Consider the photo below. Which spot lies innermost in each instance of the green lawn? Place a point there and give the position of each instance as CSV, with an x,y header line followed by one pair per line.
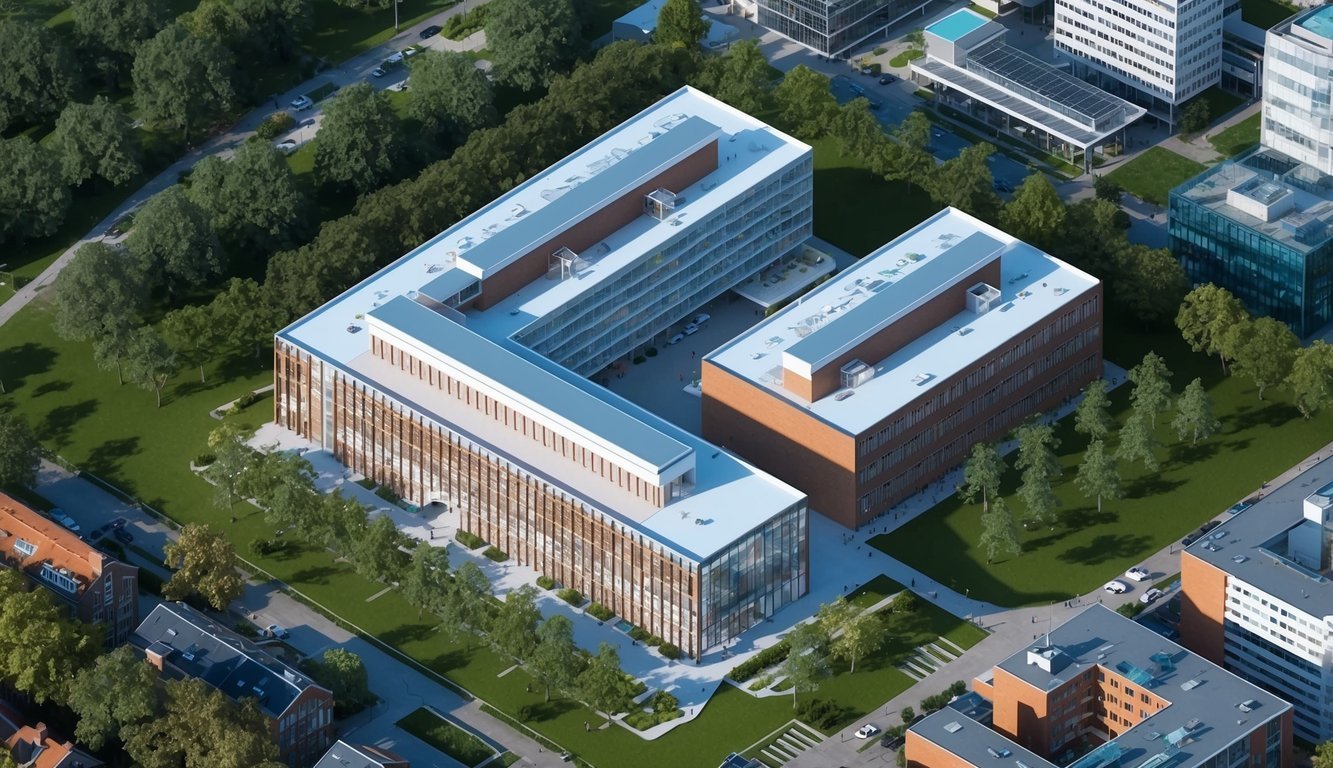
x,y
339,32
1152,175
857,210
1265,13
873,591
446,737
1259,439
1237,138
1220,102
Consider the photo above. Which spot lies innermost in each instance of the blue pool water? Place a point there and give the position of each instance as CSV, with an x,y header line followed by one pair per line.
x,y
1320,22
955,25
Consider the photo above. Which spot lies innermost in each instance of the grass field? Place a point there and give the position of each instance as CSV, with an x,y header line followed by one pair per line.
x,y
1220,102
1265,13
873,591
446,737
1237,138
857,210
1152,175
1259,439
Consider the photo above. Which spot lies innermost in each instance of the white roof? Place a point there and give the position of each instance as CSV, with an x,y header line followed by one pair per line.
x,y
1032,286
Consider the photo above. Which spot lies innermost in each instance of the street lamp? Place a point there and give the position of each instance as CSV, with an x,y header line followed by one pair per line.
x,y
395,14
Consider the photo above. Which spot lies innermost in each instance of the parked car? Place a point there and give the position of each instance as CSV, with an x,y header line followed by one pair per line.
x,y
866,731
430,32
286,146
867,71
58,515
1116,587
118,522
701,318
1138,573
377,72
1190,539
302,103
1147,598
394,58
1210,525
886,78
277,630
690,329
122,535
410,52
674,340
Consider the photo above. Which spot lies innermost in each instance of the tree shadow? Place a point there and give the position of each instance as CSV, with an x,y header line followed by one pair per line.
x,y
444,662
1267,414
1080,518
194,387
26,359
407,633
550,710
105,459
317,575
1151,485
56,428
1105,548
1185,453
59,385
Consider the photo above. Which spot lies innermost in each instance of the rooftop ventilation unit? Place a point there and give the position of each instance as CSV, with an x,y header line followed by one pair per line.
x,y
564,264
855,373
981,297
660,203
954,727
1190,685
1248,705
998,753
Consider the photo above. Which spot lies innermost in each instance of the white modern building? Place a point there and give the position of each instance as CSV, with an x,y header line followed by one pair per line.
x,y
1298,87
641,23
1155,53
1257,597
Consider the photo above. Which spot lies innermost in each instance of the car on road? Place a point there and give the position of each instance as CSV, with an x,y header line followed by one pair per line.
x,y
377,72
121,226
1138,573
866,731
58,515
286,146
1147,598
118,522
302,103
690,329
430,32
1116,587
674,340
867,71
701,318
277,630
410,52
886,79
394,58
401,85
122,535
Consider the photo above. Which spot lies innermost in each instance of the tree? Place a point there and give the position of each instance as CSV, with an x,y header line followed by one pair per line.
x,y
450,96
117,692
377,553
246,314
41,647
914,164
149,362
201,726
20,453
807,661
981,475
740,77
1106,188
232,462
360,140
97,296
192,335
999,535
1035,213
514,630
1323,755
1149,283
1093,417
554,662
603,683
854,633
1152,390
33,195
1098,476
252,200
806,106
1138,442
95,140
861,135
181,80
1194,413
204,563
1266,352
37,74
110,348
172,242
1311,378
116,29
1194,116
274,27
1206,317
531,40
1039,466
965,182
680,24
426,582
1091,236
468,604
343,672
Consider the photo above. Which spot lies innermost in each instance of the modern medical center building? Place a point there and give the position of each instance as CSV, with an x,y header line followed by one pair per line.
x,y
458,375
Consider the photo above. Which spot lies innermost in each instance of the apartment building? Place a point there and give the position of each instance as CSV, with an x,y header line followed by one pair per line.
x,y
97,588
1298,85
456,374
1155,54
879,382
183,642
1102,691
344,754
1256,597
33,746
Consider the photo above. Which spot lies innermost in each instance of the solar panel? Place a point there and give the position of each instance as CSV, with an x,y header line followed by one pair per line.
x,y
1055,87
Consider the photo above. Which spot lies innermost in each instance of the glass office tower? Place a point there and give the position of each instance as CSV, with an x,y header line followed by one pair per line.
x,y
830,26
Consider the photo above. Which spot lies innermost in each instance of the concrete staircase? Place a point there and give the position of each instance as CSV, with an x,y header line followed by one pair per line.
x,y
927,658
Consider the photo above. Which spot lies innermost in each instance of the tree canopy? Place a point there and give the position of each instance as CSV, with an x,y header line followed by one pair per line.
x,y
1194,413
172,243
739,77
33,196
182,80
1265,351
680,24
806,106
41,647
95,140
450,97
252,201
531,40
117,692
199,725
96,294
999,534
555,659
20,453
37,73
1206,316
1093,417
1311,378
981,474
1098,477
965,182
204,563
603,684
360,141
1035,213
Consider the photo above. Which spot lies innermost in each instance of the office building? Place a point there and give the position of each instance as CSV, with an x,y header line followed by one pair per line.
x,y
1101,691
456,375
640,23
1157,55
1256,597
881,380
1298,85
97,588
833,27
970,67
1261,226
183,643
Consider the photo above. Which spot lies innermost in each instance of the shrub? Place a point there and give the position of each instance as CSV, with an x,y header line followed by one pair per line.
x,y
903,602
651,352
880,51
600,612
525,713
246,629
204,459
496,555
665,702
909,714
571,596
245,401
1130,609
936,703
388,494
469,540
755,664
275,125
654,640
957,688
639,633
666,717
546,582
640,720
670,651
639,359
820,713
265,547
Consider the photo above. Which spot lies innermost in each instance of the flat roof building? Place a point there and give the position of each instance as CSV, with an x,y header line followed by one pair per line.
x,y
1297,115
832,27
640,23
877,383
1101,691
97,588
344,754
1257,597
969,66
456,374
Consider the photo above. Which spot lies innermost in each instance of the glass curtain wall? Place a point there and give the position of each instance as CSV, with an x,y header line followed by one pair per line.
x,y
754,577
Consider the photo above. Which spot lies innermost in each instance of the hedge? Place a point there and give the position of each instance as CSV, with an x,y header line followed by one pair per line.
x,y
496,554
571,596
470,540
600,612
546,582
755,664
670,651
